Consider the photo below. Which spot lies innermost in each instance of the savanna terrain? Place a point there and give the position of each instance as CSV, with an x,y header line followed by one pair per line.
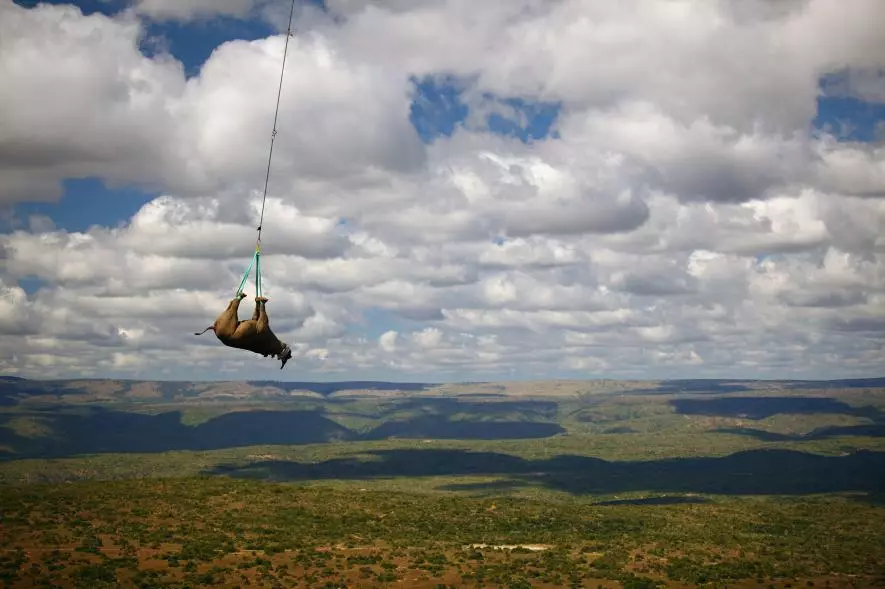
x,y
362,484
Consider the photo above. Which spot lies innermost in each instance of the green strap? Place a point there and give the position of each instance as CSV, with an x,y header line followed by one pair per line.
x,y
256,262
249,271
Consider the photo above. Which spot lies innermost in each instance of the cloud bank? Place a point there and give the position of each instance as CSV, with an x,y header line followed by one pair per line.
x,y
682,217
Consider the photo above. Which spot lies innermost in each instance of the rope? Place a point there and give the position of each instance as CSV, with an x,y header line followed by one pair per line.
x,y
257,273
275,116
256,259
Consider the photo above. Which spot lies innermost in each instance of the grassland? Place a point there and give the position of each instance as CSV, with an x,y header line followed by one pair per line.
x,y
599,484
197,531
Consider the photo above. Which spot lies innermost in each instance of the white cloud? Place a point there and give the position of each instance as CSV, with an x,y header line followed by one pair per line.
x,y
429,337
16,316
78,99
387,341
852,169
864,83
722,60
184,10
337,120
685,221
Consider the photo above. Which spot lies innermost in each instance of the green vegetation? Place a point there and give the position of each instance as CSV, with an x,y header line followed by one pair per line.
x,y
131,484
110,418
189,530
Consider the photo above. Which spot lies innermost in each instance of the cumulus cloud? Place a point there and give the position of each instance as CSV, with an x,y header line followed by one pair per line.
x,y
852,169
191,9
867,84
78,100
684,218
16,316
338,120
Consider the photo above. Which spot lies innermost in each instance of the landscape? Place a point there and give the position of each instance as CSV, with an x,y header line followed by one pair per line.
x,y
597,483
442,294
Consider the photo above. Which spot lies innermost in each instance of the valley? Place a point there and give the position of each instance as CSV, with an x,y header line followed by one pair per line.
x,y
578,484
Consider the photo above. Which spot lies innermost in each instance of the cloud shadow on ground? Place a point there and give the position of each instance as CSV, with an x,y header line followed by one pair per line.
x,y
761,407
868,430
55,433
766,472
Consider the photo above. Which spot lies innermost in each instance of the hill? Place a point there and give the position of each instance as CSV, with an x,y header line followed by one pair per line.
x,y
500,484
14,389
60,418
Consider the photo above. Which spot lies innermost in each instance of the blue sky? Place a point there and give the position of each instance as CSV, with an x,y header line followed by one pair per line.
x,y
850,119
438,110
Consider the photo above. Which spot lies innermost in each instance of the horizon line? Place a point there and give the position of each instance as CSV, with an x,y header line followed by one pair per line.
x,y
9,377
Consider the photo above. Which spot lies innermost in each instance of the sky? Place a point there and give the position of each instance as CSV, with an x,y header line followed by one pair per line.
x,y
459,190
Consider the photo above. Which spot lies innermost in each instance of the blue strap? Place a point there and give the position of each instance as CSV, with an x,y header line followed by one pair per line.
x,y
248,271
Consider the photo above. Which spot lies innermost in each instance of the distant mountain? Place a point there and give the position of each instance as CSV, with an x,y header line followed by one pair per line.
x,y
54,418
14,389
